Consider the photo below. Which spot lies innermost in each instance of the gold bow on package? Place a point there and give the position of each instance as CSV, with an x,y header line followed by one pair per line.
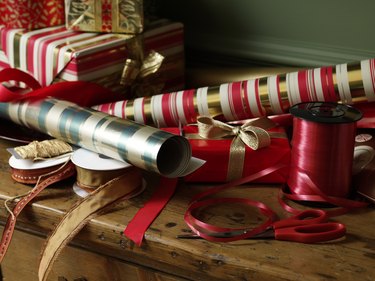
x,y
233,152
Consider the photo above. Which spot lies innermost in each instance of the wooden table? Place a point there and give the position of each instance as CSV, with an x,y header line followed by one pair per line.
x,y
101,252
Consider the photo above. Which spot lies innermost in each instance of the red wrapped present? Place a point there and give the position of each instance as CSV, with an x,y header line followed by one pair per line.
x,y
32,14
220,165
57,54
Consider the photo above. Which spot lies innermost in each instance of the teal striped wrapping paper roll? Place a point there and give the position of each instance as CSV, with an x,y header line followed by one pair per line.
x,y
143,146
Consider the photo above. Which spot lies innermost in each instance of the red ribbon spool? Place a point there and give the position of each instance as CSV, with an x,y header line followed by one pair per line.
x,y
322,150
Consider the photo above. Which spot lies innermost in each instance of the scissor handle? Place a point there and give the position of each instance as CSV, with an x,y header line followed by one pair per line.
x,y
312,216
311,233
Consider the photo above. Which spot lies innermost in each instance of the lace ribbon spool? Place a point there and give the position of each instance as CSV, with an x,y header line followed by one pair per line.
x,y
94,170
322,153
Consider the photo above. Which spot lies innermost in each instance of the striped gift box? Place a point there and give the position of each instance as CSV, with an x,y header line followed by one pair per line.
x,y
57,54
32,14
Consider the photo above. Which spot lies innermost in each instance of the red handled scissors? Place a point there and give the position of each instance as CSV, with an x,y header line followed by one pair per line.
x,y
310,226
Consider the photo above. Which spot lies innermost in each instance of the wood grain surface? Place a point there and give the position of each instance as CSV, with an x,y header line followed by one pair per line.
x,y
101,252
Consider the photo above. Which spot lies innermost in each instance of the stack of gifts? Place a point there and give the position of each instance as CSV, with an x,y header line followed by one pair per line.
x,y
114,44
106,42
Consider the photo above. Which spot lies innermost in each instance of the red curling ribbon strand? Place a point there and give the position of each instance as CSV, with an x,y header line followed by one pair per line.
x,y
80,92
221,234
321,165
137,227
218,234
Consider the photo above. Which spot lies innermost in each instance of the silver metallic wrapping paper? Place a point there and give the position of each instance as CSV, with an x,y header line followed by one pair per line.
x,y
143,146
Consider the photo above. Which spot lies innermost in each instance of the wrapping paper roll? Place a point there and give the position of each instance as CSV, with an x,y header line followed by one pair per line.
x,y
272,95
143,146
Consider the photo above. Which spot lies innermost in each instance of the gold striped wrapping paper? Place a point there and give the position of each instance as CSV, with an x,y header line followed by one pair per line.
x,y
143,146
348,83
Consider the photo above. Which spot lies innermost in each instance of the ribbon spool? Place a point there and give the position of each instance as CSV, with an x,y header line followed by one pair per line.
x,y
94,170
322,151
28,171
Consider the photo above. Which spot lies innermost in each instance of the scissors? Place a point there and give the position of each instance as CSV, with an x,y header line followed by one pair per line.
x,y
310,226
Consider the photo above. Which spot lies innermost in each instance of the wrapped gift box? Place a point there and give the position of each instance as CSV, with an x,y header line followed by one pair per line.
x,y
105,16
32,14
216,154
58,54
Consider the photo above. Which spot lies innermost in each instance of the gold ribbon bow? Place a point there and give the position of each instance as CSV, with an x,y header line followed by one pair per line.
x,y
252,133
136,70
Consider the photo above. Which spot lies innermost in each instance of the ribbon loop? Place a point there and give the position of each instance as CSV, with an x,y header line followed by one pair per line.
x,y
137,70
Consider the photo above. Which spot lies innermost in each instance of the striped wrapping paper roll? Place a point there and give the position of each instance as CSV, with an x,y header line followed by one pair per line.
x,y
143,146
348,83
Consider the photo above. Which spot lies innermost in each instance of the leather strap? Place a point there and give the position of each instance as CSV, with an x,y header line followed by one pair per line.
x,y
67,170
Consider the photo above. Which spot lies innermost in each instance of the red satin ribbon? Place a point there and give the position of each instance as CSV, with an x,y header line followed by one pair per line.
x,y
80,92
137,227
321,165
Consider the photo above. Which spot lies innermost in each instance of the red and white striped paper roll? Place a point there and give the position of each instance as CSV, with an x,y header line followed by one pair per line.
x,y
348,83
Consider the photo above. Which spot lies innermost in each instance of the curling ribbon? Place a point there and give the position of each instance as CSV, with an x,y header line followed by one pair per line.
x,y
322,155
223,234
273,95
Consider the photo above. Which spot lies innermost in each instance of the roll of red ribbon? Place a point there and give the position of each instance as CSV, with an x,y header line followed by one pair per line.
x,y
322,152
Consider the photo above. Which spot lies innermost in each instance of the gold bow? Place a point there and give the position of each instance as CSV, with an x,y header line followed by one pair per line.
x,y
136,70
252,133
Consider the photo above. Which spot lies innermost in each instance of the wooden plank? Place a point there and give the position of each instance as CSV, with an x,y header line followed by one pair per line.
x,y
73,264
351,258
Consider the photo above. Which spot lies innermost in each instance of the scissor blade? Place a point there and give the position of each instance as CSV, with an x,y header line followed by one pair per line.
x,y
268,234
